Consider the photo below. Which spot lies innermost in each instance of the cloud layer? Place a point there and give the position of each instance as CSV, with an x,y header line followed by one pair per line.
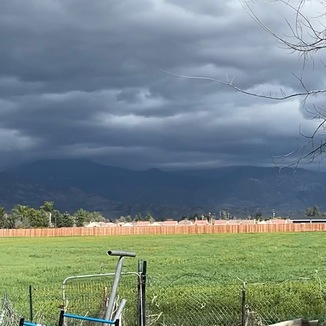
x,y
88,79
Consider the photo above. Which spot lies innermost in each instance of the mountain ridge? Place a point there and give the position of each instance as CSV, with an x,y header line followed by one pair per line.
x,y
116,191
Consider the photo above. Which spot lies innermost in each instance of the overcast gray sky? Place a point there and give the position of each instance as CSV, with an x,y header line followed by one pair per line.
x,y
85,79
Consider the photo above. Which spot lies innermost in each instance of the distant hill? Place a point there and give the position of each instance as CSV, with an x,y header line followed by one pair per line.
x,y
117,191
17,189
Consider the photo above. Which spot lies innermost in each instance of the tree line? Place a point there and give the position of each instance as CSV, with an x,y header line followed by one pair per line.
x,y
47,216
24,216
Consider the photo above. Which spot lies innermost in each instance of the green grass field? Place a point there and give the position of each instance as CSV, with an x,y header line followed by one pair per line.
x,y
250,257
184,272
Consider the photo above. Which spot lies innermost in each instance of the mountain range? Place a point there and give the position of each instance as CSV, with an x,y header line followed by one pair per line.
x,y
114,191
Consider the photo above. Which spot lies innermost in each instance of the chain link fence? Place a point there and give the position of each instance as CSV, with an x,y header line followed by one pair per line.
x,y
174,300
38,303
273,302
192,300
85,296
202,300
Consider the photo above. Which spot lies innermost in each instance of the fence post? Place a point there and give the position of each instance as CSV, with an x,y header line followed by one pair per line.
x,y
144,291
141,311
30,291
243,304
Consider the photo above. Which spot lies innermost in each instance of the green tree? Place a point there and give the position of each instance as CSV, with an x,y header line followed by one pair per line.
x,y
10,221
20,215
80,217
259,216
48,207
149,217
64,220
55,217
313,211
95,217
3,218
83,217
138,217
38,218
124,219
224,214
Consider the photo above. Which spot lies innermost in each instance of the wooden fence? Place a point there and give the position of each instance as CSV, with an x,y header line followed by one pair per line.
x,y
158,230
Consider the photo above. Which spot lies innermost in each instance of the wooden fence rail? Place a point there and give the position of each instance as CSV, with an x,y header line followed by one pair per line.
x,y
158,230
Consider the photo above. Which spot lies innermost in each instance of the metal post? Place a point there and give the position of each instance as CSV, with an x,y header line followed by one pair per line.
x,y
243,304
143,283
139,303
61,318
116,279
30,290
119,310
142,266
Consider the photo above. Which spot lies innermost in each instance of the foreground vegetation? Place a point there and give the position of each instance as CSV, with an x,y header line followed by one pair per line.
x,y
250,257
184,272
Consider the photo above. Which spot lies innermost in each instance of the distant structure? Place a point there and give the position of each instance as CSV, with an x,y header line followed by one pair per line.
x,y
309,220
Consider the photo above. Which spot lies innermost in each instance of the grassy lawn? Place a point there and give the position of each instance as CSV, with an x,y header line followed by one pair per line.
x,y
250,257
184,272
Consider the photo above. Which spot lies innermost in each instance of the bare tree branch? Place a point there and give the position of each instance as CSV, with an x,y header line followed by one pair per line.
x,y
302,24
307,37
231,84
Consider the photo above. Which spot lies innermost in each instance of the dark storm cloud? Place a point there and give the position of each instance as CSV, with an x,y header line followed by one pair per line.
x,y
86,79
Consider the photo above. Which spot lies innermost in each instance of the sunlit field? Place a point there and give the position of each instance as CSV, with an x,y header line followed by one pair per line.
x,y
250,257
184,271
